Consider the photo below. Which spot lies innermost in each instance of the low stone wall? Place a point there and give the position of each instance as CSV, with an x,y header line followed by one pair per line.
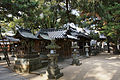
x,y
27,65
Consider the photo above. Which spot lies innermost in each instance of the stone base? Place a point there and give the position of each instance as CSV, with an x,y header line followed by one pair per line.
x,y
12,56
4,58
55,77
54,73
27,65
87,56
53,69
76,62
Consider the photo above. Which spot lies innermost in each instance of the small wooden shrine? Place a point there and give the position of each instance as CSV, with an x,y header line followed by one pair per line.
x,y
5,46
32,46
27,58
63,38
45,35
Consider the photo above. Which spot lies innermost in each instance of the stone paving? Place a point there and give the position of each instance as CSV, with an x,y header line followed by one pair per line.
x,y
6,74
101,67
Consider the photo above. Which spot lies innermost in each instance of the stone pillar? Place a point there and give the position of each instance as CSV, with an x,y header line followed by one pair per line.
x,y
75,55
87,50
12,51
53,69
27,63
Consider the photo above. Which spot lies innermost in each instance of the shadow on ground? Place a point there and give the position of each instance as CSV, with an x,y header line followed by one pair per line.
x,y
101,67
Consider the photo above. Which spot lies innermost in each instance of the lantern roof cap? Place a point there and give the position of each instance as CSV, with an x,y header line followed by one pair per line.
x,y
53,45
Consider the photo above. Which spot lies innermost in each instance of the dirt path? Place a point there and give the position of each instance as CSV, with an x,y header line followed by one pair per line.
x,y
7,74
101,67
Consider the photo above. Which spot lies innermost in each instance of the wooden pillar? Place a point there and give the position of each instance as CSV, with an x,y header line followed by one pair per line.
x,y
0,33
0,30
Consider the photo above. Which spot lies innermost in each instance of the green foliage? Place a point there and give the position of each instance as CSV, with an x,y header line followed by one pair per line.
x,y
112,18
95,36
34,14
23,13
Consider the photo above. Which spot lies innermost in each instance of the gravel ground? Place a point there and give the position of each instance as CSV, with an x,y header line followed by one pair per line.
x,y
6,74
102,67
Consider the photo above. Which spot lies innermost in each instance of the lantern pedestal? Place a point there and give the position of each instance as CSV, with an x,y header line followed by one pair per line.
x,y
87,50
27,63
53,69
12,51
75,55
76,60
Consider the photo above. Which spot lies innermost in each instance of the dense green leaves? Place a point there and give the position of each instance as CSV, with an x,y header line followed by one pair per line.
x,y
34,14
21,12
112,26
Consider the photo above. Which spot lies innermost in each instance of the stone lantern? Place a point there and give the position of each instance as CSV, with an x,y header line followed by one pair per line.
x,y
12,51
75,55
87,49
53,69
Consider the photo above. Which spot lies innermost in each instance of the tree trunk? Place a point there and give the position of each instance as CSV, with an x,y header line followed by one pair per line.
x,y
67,7
115,49
0,30
108,45
0,33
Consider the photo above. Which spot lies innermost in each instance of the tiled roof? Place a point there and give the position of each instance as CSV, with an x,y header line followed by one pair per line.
x,y
7,40
4,42
57,34
26,34
72,37
60,33
45,36
52,33
12,39
102,36
78,34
